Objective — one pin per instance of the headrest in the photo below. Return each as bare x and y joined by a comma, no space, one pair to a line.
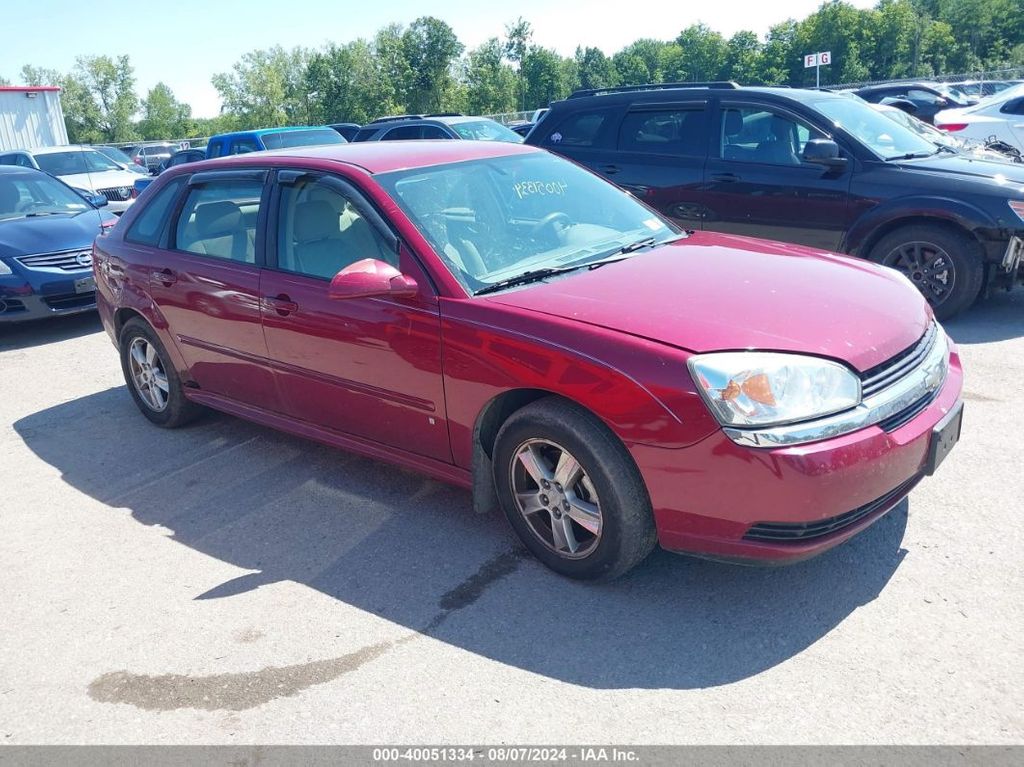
216,219
9,197
315,220
733,122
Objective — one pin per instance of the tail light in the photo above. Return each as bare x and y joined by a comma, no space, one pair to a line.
106,225
134,193
952,127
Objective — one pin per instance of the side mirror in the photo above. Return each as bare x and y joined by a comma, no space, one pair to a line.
823,151
371,278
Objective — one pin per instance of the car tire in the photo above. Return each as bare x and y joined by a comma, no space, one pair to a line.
151,378
553,435
916,249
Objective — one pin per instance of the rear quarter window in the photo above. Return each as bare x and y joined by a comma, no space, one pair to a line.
581,129
148,228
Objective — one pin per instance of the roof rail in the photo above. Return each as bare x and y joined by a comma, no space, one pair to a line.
394,118
716,84
445,114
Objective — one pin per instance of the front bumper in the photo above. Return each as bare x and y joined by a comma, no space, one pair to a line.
714,497
21,301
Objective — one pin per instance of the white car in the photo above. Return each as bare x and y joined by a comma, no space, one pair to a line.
963,144
82,168
1000,116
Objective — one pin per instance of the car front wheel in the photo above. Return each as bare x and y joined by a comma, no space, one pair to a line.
944,264
572,492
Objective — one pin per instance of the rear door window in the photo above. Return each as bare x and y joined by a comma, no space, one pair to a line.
404,133
149,227
679,132
219,220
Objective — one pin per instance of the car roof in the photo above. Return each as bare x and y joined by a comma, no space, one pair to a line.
11,170
55,149
382,156
661,93
268,131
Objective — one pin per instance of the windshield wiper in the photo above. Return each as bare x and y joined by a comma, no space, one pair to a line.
913,155
534,275
43,213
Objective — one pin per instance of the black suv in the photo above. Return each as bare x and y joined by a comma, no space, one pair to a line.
928,99
445,125
807,167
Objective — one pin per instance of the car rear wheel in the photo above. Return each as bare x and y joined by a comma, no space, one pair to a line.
153,382
571,491
944,264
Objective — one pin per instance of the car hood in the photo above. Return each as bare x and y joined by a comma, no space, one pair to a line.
975,169
102,180
48,234
714,292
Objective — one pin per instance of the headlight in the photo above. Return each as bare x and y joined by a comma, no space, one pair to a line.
769,388
4,269
1017,206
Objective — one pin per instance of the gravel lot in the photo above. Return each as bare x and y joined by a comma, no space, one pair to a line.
228,584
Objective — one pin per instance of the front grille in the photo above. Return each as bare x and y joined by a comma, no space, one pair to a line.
905,416
797,532
68,261
117,193
70,300
11,306
893,369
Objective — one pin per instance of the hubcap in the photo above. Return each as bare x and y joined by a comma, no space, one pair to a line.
148,374
556,498
926,265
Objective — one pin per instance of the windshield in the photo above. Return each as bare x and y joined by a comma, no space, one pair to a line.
922,129
36,194
486,130
115,154
493,219
70,163
881,135
310,137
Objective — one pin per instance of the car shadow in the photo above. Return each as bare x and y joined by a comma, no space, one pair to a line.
412,551
998,318
25,335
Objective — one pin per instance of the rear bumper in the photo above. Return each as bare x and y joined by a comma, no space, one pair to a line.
722,500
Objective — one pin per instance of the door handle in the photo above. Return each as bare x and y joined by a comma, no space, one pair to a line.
726,178
281,304
163,277
611,170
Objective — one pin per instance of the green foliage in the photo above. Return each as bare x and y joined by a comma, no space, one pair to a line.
424,68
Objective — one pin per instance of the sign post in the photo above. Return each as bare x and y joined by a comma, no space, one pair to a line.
817,60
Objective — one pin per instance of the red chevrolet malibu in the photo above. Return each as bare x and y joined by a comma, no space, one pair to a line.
499,318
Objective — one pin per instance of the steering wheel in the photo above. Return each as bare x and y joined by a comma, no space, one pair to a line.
556,222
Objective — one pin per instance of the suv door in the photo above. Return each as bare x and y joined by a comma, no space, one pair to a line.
756,183
368,367
206,285
660,154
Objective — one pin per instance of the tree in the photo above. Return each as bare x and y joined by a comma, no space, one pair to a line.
704,53
779,56
266,89
743,58
164,117
517,42
594,69
431,50
491,85
547,77
110,84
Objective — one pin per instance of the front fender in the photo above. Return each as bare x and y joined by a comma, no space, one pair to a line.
867,229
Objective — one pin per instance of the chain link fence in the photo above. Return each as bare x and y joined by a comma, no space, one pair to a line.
993,75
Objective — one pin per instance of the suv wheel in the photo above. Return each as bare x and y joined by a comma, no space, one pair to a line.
571,491
944,264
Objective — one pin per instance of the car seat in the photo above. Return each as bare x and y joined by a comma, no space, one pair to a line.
217,229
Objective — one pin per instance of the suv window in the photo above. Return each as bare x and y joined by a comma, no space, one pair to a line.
214,149
320,232
149,226
403,133
675,132
365,133
432,132
219,220
580,129
244,146
751,134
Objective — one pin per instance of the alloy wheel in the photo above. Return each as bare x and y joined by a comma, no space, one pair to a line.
927,266
556,498
148,374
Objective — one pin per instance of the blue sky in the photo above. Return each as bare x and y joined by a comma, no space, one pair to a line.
215,33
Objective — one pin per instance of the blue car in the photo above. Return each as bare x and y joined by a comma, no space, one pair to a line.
242,142
46,234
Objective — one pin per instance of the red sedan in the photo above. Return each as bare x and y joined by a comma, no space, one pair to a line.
499,318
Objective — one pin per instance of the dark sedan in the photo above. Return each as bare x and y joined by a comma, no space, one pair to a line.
46,234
